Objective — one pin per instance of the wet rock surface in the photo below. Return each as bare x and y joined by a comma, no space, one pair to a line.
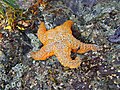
116,37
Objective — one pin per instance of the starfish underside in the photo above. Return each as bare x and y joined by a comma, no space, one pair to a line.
60,42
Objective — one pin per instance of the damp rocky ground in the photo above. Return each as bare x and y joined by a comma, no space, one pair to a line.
94,21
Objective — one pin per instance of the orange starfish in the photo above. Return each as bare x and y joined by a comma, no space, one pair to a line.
60,42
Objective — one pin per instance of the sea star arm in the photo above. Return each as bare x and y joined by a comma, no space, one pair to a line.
80,47
41,32
64,58
43,53
87,47
67,26
75,44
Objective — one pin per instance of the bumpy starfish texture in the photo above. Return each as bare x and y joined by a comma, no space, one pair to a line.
60,42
